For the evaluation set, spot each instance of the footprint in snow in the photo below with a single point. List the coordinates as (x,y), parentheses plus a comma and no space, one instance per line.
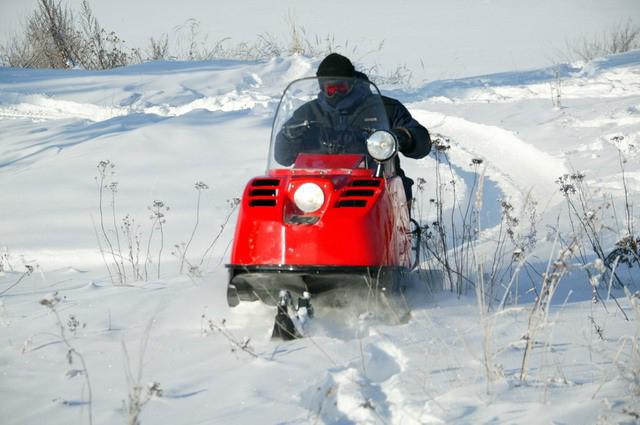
(379,363)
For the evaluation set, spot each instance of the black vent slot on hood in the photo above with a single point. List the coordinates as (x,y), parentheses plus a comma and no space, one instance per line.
(265,182)
(358,192)
(265,194)
(262,203)
(365,183)
(352,203)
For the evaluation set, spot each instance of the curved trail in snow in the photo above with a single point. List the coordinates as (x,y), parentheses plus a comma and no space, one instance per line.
(518,168)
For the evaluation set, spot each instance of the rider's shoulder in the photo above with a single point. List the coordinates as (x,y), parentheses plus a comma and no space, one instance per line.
(392,104)
(390,101)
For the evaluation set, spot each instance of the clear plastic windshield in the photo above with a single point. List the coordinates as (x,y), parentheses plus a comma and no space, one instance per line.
(324,123)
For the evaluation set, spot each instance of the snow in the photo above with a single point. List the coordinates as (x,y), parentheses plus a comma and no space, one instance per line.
(167,125)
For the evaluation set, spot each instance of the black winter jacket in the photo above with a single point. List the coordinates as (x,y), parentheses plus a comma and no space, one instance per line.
(399,117)
(318,111)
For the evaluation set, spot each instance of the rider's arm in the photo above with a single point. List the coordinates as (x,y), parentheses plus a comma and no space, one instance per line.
(285,149)
(289,140)
(400,118)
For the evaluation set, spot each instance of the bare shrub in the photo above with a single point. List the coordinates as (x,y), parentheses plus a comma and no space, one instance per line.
(109,235)
(301,42)
(619,39)
(99,49)
(451,239)
(192,44)
(120,240)
(626,251)
(587,212)
(400,76)
(52,37)
(17,53)
(158,48)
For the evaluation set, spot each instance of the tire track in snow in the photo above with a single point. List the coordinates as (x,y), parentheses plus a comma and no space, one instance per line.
(516,166)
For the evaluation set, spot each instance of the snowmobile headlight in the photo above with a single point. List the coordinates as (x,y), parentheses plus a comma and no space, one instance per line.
(309,197)
(382,145)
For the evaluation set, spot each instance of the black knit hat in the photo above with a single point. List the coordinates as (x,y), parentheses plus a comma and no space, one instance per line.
(335,65)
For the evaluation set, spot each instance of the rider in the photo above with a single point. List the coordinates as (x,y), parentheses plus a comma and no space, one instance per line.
(334,105)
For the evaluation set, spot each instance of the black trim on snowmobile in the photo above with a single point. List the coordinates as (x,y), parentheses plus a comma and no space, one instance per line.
(263,282)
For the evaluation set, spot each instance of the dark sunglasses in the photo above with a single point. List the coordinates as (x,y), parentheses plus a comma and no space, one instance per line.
(333,87)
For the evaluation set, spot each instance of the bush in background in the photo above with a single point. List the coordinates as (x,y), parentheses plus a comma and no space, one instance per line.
(619,39)
(48,40)
(53,36)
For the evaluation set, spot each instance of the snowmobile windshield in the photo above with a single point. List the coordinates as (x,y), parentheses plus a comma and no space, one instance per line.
(323,123)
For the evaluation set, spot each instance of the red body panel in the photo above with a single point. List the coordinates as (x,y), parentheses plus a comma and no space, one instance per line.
(324,161)
(363,221)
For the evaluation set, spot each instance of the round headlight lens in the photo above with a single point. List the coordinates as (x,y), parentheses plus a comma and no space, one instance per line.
(381,145)
(309,197)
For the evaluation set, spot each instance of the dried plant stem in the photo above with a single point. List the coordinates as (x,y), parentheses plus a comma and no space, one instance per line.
(104,258)
(243,345)
(627,205)
(200,186)
(51,304)
(539,313)
(27,272)
(102,226)
(148,256)
(137,399)
(161,246)
(234,206)
(113,188)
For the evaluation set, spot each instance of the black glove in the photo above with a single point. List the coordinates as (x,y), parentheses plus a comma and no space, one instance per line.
(343,141)
(405,140)
(295,131)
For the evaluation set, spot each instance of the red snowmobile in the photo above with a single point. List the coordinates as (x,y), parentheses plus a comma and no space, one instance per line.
(330,215)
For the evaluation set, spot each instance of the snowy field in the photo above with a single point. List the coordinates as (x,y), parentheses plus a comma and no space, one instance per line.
(166,126)
(75,343)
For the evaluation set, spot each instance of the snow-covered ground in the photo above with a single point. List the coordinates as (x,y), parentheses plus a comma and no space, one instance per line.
(165,126)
